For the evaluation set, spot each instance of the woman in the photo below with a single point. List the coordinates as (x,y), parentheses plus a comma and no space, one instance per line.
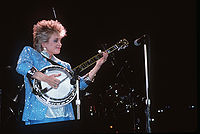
(47,35)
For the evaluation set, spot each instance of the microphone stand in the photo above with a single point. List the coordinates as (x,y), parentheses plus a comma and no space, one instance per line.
(78,102)
(75,81)
(147,101)
(143,40)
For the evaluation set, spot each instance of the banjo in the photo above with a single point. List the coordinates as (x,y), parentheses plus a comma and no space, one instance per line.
(66,92)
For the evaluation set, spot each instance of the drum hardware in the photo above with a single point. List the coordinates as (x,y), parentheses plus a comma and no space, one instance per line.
(16,98)
(16,104)
(87,94)
(92,110)
(122,100)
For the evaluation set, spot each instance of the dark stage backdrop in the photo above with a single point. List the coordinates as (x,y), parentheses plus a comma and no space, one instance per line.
(94,25)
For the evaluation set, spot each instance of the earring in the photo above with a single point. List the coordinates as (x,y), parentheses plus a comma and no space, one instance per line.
(44,49)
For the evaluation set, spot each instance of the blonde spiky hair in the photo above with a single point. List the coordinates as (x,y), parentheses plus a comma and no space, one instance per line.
(43,30)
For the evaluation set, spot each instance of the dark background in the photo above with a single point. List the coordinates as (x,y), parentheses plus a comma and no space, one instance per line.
(90,25)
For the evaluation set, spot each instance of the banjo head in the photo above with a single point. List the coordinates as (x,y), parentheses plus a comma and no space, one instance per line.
(52,97)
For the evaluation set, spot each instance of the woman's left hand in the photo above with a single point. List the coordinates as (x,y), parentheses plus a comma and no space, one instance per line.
(99,62)
(102,59)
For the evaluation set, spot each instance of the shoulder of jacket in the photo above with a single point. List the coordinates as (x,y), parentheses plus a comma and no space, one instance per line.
(30,49)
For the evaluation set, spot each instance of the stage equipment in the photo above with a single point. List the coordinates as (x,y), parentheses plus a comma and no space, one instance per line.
(91,106)
(145,40)
(78,101)
(141,40)
(54,12)
(123,99)
(0,101)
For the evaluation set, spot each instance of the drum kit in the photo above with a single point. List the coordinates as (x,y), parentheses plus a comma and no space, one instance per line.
(118,106)
(115,99)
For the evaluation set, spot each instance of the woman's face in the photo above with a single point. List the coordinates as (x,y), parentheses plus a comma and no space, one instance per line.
(54,45)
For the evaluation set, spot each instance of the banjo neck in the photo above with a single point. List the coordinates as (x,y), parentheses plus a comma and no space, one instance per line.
(122,44)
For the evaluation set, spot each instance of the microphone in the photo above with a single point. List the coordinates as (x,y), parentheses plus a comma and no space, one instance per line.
(73,80)
(75,76)
(140,40)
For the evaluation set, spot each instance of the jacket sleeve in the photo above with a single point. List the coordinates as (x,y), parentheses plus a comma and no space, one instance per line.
(25,62)
(83,84)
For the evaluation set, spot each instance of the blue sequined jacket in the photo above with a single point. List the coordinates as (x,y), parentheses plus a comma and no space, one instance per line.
(34,109)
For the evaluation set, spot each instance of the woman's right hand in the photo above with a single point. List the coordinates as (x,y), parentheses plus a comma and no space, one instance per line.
(51,79)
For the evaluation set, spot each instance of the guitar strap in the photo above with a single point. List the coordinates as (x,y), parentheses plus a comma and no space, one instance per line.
(51,61)
(33,70)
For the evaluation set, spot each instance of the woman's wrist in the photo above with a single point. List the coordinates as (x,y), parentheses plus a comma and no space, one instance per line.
(97,66)
(40,76)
